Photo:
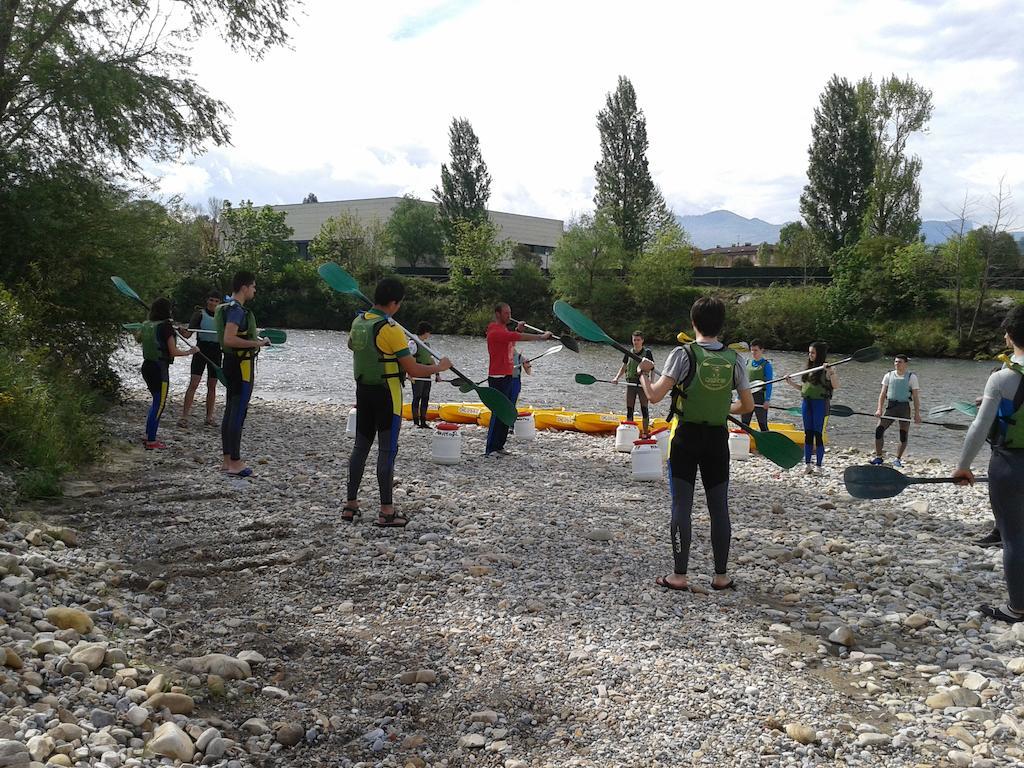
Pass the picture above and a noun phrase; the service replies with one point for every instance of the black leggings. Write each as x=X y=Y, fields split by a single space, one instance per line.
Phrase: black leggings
x=156 y=374
x=697 y=446
x=375 y=418
x=632 y=392
x=420 y=399
x=240 y=374
x=760 y=413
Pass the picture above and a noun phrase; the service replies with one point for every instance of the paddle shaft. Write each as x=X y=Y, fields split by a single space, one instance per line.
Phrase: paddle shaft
x=178 y=334
x=936 y=480
x=762 y=384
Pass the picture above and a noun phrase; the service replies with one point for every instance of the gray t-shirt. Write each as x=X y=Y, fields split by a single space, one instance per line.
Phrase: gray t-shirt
x=677 y=365
x=1001 y=384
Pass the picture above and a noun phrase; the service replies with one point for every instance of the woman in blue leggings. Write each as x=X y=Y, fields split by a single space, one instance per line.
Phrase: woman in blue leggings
x=816 y=389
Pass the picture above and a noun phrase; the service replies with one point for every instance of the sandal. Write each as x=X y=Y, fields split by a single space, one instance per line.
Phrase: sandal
x=719 y=587
x=997 y=613
x=349 y=514
x=663 y=582
x=391 y=521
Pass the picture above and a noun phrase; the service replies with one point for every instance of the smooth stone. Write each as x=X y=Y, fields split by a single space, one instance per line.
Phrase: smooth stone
x=599 y=534
x=136 y=715
x=488 y=716
x=176 y=703
x=90 y=654
x=274 y=692
x=916 y=621
x=472 y=741
x=842 y=635
x=803 y=734
x=216 y=748
x=251 y=657
x=873 y=739
x=170 y=741
x=40 y=747
x=1016 y=666
x=219 y=664
x=69 y=618
x=206 y=737
x=290 y=734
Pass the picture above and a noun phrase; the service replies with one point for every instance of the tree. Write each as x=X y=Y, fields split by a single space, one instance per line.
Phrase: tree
x=466 y=186
x=840 y=168
x=989 y=244
x=585 y=265
x=895 y=109
x=798 y=247
x=473 y=257
x=961 y=259
x=625 y=191
x=109 y=82
x=660 y=277
x=254 y=238
x=310 y=198
x=414 y=233
x=361 y=248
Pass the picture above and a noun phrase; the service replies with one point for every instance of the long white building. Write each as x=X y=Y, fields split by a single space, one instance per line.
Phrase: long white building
x=538 y=234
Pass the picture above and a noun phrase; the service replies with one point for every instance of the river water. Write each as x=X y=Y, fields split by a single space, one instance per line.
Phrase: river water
x=316 y=366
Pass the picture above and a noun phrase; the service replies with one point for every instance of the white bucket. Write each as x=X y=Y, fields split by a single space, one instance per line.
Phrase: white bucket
x=647 y=460
x=350 y=425
x=625 y=434
x=525 y=427
x=446 y=447
x=663 y=436
x=739 y=445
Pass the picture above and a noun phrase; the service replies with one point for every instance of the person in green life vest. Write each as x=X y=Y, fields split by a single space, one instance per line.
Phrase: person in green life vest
x=701 y=376
x=237 y=334
x=899 y=388
x=816 y=390
x=202 y=323
x=633 y=388
x=380 y=356
x=158 y=352
x=759 y=368
x=421 y=384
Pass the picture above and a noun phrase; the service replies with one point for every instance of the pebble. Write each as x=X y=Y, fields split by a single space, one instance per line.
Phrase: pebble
x=801 y=733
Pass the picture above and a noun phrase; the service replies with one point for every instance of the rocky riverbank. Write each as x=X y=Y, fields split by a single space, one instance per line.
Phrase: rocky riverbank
x=513 y=623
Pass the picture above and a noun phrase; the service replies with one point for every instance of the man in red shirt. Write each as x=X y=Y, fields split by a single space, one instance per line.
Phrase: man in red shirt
x=500 y=344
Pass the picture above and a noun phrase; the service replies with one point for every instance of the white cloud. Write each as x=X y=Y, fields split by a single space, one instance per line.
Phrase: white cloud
x=364 y=98
x=189 y=181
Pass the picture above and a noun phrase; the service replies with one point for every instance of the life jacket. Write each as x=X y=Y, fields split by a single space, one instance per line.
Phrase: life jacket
x=705 y=393
x=899 y=387
x=153 y=348
x=423 y=357
x=208 y=327
x=1008 y=428
x=220 y=320
x=369 y=364
x=816 y=386
x=632 y=369
x=755 y=372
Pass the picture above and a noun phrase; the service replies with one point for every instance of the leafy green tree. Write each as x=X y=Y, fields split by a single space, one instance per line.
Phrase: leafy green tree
x=310 y=198
x=362 y=249
x=1003 y=247
x=108 y=81
x=586 y=264
x=625 y=191
x=660 y=277
x=473 y=257
x=883 y=278
x=798 y=247
x=840 y=167
x=918 y=273
x=530 y=291
x=896 y=109
x=466 y=185
x=414 y=233
x=255 y=238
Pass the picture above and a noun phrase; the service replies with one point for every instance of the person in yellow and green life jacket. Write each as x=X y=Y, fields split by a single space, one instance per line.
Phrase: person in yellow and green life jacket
x=421 y=384
x=759 y=368
x=158 y=352
x=816 y=390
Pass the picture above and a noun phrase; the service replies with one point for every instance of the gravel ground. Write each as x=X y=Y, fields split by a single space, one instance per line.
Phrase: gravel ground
x=513 y=623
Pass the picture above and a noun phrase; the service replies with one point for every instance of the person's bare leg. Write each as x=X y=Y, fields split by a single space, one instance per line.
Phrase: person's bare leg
x=190 y=394
x=211 y=399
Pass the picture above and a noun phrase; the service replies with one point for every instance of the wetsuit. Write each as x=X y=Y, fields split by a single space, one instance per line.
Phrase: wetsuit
x=817 y=397
x=759 y=370
x=1000 y=419
x=634 y=390
x=420 y=387
x=240 y=372
x=706 y=373
x=500 y=345
x=206 y=340
x=377 y=346
x=156 y=344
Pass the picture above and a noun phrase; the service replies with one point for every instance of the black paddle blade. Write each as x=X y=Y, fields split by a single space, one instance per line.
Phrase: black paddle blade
x=569 y=342
x=871 y=482
x=867 y=355
x=840 y=410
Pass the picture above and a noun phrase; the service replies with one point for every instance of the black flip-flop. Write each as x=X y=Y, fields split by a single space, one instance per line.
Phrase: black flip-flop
x=720 y=587
x=664 y=583
x=391 y=521
x=349 y=514
x=997 y=613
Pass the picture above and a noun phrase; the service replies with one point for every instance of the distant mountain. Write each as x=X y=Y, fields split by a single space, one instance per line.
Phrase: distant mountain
x=937 y=232
x=726 y=228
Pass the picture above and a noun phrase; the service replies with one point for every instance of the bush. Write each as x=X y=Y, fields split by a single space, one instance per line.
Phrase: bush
x=784 y=318
x=927 y=337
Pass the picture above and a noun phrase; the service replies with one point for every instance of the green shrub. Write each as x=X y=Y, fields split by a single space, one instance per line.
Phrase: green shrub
x=927 y=337
x=782 y=317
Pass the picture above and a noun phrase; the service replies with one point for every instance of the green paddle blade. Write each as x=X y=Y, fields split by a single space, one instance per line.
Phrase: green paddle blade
x=585 y=378
x=580 y=324
x=125 y=289
x=968 y=409
x=275 y=336
x=874 y=482
x=778 y=448
x=866 y=355
x=340 y=280
x=501 y=407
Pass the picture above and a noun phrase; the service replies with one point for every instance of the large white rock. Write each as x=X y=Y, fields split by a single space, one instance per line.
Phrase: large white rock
x=90 y=654
x=170 y=741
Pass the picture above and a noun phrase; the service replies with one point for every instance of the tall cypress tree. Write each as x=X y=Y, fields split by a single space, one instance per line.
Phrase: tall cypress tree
x=466 y=185
x=840 y=168
x=625 y=191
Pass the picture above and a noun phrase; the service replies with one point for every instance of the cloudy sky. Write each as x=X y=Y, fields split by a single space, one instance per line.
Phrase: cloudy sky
x=360 y=105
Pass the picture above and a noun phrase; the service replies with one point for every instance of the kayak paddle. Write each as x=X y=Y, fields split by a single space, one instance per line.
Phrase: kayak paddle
x=125 y=290
x=879 y=482
x=276 y=336
x=845 y=410
x=866 y=355
x=774 y=446
x=467 y=386
x=567 y=341
x=342 y=282
x=586 y=378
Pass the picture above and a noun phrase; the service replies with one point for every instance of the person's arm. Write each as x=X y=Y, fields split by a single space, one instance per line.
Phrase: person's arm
x=742 y=386
x=617 y=376
x=418 y=370
x=675 y=370
x=769 y=374
x=744 y=405
x=833 y=377
x=795 y=384
x=916 y=393
x=657 y=390
x=881 y=395
x=172 y=345
x=194 y=322
x=979 y=429
x=233 y=341
x=527 y=367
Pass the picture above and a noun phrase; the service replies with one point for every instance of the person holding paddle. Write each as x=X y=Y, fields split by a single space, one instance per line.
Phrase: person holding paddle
x=421 y=384
x=203 y=319
x=380 y=357
x=500 y=345
x=816 y=388
x=701 y=376
x=899 y=387
x=237 y=334
x=759 y=368
x=1000 y=419
x=158 y=352
x=633 y=388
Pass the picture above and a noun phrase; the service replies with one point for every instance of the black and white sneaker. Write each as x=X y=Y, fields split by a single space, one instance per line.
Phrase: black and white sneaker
x=990 y=539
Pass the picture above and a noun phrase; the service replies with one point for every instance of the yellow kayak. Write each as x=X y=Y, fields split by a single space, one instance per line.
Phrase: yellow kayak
x=432 y=414
x=597 y=422
x=555 y=419
x=485 y=416
x=792 y=431
x=460 y=413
